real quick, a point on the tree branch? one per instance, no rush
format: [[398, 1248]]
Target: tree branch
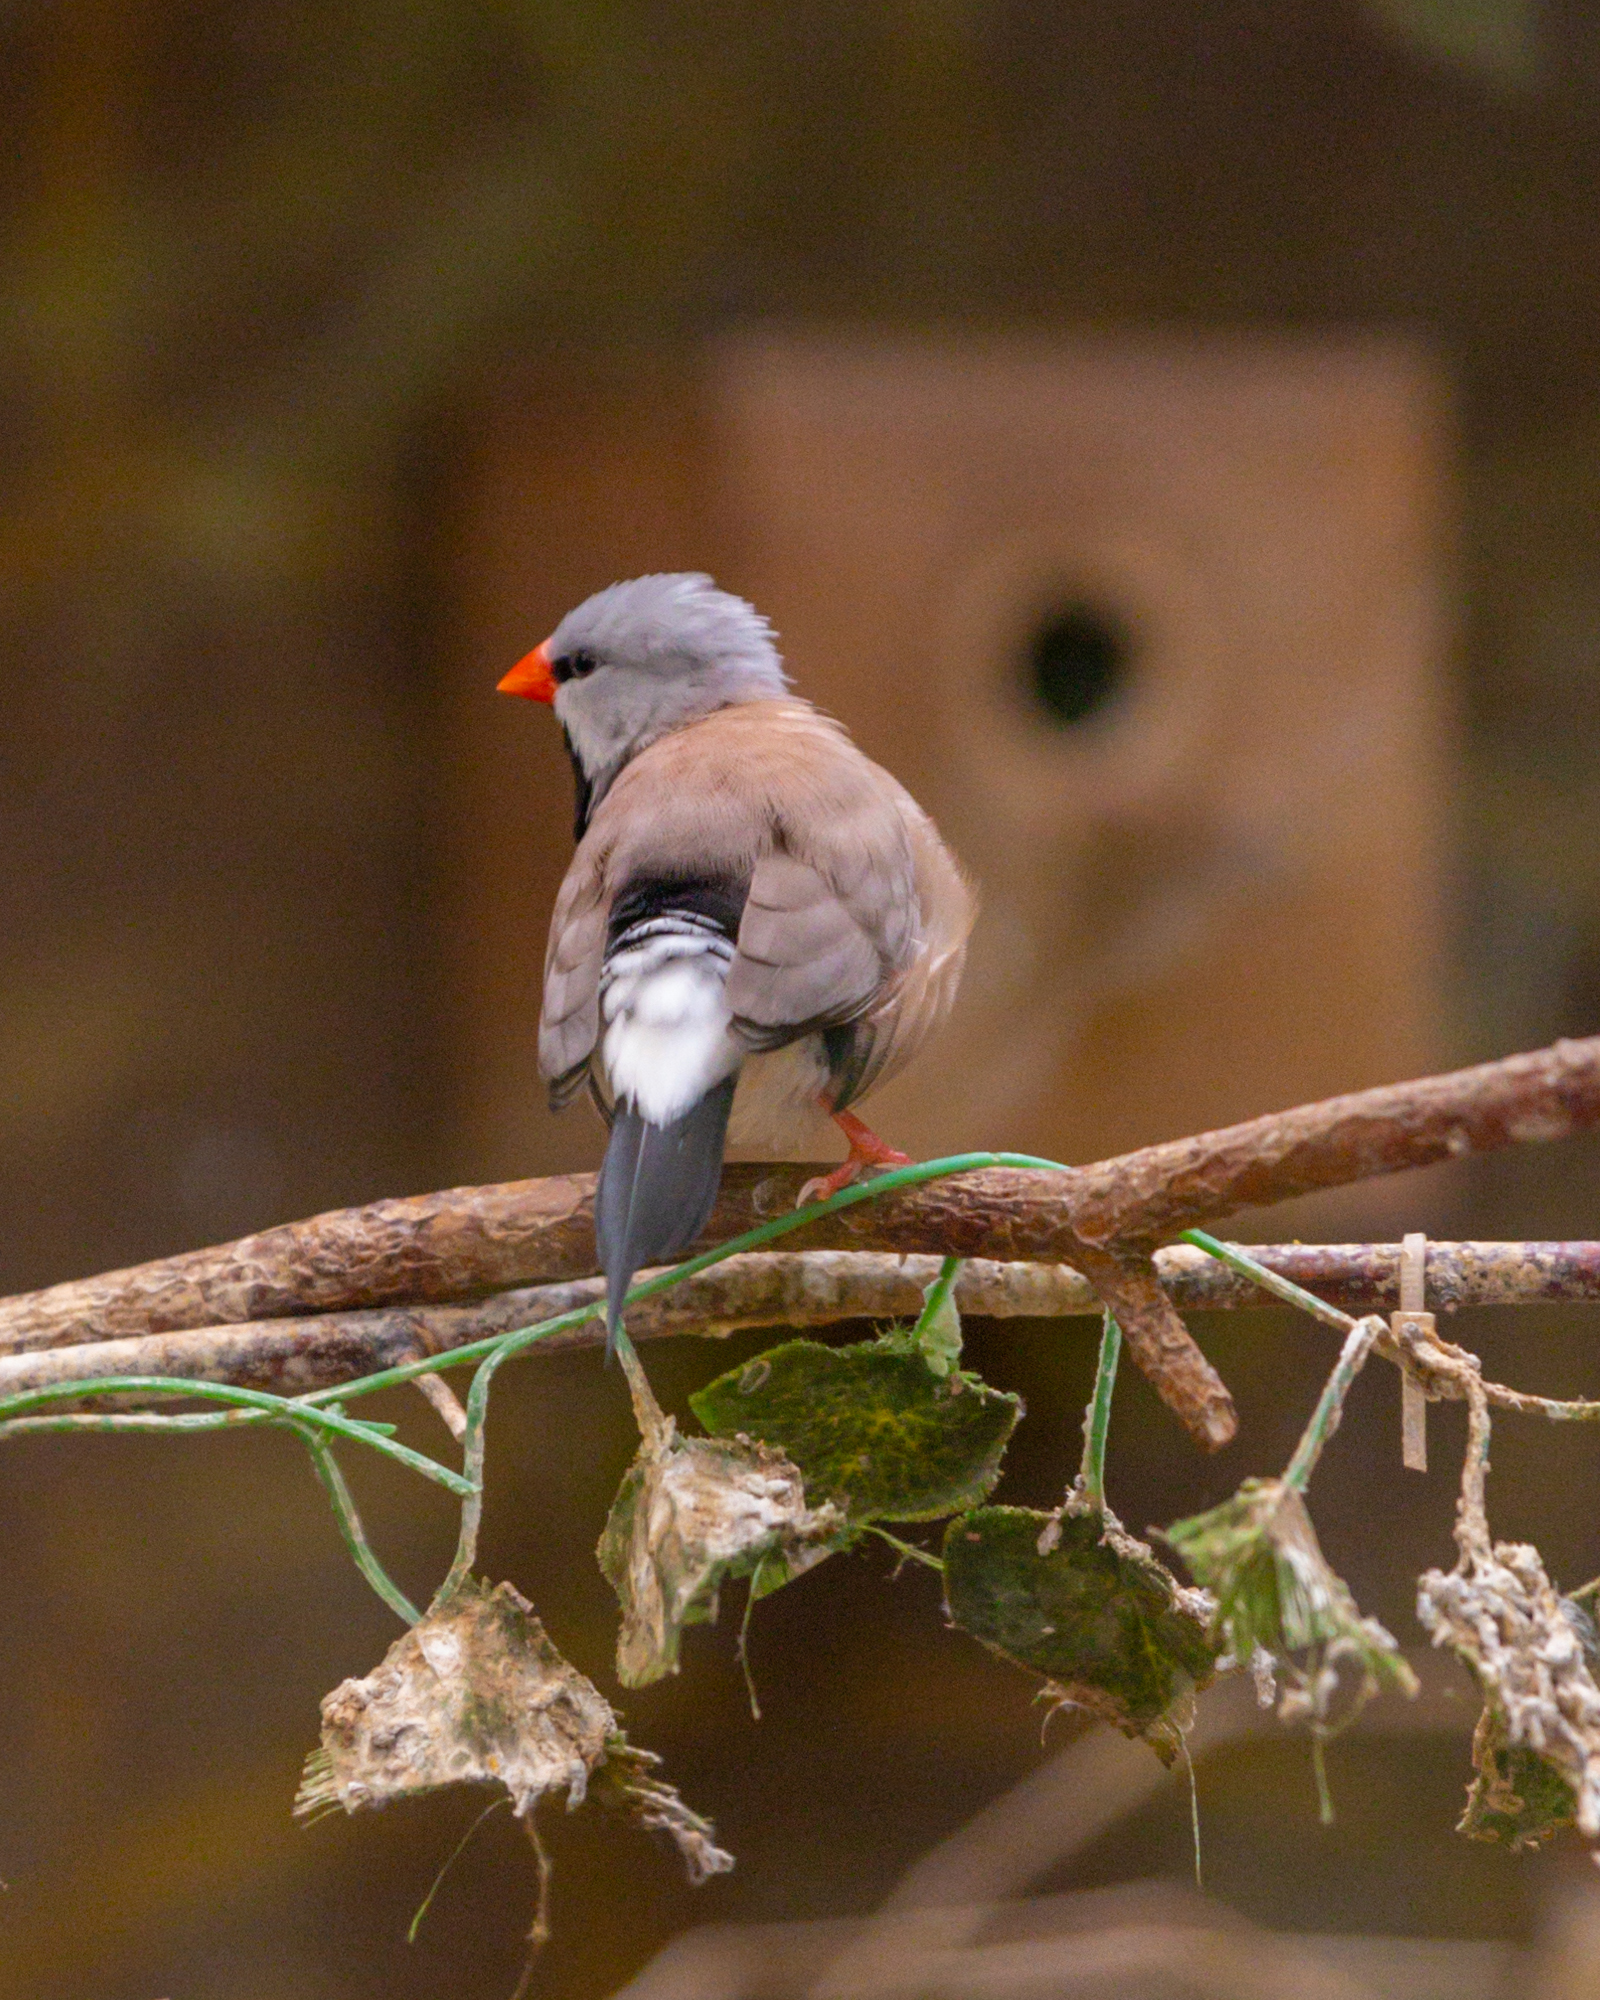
[[1102, 1219], [290, 1357]]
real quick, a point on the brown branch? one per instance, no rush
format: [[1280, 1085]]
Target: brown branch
[[428, 1247], [1102, 1219], [1160, 1342], [800, 1289]]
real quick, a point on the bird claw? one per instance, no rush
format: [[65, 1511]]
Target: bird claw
[[879, 1156], [820, 1186]]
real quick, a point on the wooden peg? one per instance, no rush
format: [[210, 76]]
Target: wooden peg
[[1412, 1317]]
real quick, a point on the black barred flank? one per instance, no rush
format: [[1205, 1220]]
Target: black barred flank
[[716, 902]]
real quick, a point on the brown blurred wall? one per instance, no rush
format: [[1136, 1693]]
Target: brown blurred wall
[[267, 268], [1168, 937]]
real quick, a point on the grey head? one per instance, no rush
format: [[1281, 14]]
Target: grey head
[[644, 657]]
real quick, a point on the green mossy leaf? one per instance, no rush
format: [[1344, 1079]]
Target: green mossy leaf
[[1516, 1797], [874, 1430], [1075, 1598], [1287, 1616]]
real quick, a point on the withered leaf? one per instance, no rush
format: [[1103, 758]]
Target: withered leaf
[[1534, 1655], [690, 1514], [626, 1781], [476, 1694]]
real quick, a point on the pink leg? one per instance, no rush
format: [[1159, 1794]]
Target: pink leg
[[866, 1150]]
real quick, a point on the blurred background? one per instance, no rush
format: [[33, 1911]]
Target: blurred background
[[1168, 435]]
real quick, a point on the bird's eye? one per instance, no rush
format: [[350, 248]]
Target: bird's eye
[[572, 667]]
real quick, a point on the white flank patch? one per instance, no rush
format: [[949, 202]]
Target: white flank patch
[[666, 1040]]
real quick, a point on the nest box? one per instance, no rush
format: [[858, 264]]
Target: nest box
[[1151, 625]]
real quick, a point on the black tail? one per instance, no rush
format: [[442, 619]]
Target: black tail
[[658, 1184]]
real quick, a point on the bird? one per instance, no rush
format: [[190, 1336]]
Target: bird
[[759, 925]]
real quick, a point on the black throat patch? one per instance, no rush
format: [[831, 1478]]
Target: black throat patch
[[584, 802]]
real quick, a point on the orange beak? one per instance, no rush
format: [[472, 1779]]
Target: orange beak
[[531, 676]]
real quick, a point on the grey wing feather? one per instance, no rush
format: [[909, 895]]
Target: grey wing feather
[[889, 1034], [658, 1184], [806, 958]]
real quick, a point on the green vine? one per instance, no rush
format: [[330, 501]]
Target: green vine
[[808, 1448], [318, 1418], [1097, 1421]]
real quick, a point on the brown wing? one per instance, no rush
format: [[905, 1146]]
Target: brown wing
[[855, 912], [857, 927], [830, 921]]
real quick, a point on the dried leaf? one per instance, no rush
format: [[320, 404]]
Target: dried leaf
[[477, 1694], [873, 1428], [1076, 1598], [626, 1782], [690, 1514], [1533, 1655], [474, 1694]]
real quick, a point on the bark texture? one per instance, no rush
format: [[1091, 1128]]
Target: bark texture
[[1102, 1219], [800, 1289]]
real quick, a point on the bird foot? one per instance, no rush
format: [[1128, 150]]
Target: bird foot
[[866, 1150]]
